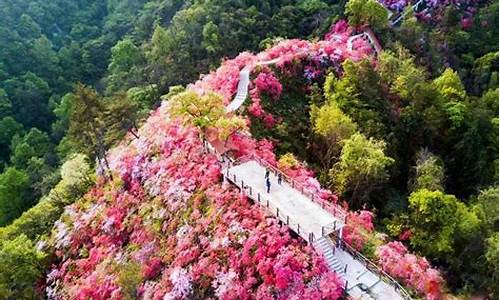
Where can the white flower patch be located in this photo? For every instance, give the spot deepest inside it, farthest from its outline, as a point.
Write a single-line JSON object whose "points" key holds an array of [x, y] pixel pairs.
{"points": [[61, 237], [181, 281], [223, 282], [183, 230]]}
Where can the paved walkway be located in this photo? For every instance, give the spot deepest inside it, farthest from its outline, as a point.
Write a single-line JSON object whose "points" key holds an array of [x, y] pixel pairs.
{"points": [[290, 202], [359, 277], [305, 217]]}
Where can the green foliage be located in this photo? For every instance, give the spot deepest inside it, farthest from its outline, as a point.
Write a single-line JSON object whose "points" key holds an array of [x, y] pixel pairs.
{"points": [[333, 124], [438, 221], [8, 128], [34, 144], [85, 120], [22, 267], [429, 173], [14, 194], [492, 255], [359, 95], [361, 168], [129, 277], [202, 111], [366, 12], [76, 178]]}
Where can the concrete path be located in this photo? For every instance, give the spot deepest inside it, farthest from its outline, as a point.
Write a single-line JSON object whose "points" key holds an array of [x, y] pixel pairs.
{"points": [[359, 278], [242, 91], [290, 202], [305, 217]]}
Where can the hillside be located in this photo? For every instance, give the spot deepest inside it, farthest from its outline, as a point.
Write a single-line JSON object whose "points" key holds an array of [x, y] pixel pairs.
{"points": [[357, 159]]}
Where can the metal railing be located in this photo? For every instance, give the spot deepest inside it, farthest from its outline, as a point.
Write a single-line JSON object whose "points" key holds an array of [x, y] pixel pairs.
{"points": [[270, 208], [293, 224], [334, 209], [370, 265]]}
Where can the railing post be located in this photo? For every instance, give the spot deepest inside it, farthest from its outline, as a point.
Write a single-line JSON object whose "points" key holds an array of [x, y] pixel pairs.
{"points": [[258, 197], [267, 204], [287, 220], [322, 230], [250, 190], [277, 212], [234, 178], [298, 229]]}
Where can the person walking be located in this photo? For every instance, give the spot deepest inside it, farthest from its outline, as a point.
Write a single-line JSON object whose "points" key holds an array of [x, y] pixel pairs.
{"points": [[279, 178], [267, 174], [268, 184]]}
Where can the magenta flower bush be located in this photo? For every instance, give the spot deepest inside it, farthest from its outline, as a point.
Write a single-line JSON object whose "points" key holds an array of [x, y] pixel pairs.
{"points": [[167, 227], [412, 270], [189, 235]]}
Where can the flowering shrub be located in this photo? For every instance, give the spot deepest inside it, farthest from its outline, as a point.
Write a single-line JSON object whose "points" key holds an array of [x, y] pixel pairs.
{"points": [[358, 228], [191, 235], [433, 10], [315, 58], [412, 270]]}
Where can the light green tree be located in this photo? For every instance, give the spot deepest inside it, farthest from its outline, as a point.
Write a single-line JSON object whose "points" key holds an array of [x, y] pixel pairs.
{"points": [[333, 126], [22, 266], [429, 172], [14, 194], [366, 12], [452, 95], [438, 221], [361, 168]]}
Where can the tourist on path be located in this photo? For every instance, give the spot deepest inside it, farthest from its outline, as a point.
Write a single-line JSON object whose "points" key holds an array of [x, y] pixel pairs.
{"points": [[267, 173], [279, 178], [268, 184]]}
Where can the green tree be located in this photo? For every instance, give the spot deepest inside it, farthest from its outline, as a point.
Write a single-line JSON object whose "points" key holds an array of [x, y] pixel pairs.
{"points": [[429, 172], [8, 129], [125, 67], [366, 12], [361, 169], [333, 126], [5, 104], [492, 259], [202, 111], [14, 194], [22, 268], [34, 144], [85, 120], [452, 95], [437, 222]]}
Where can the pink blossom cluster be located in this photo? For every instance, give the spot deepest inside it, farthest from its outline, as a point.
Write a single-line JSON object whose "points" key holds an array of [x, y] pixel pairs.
{"points": [[265, 83], [359, 226], [413, 270], [310, 57], [393, 257], [433, 10], [190, 236]]}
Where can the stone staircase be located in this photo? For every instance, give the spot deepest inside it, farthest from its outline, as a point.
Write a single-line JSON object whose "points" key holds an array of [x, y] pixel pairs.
{"points": [[325, 245]]}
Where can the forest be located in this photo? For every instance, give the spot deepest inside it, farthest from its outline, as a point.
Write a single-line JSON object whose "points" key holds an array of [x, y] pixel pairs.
{"points": [[103, 196]]}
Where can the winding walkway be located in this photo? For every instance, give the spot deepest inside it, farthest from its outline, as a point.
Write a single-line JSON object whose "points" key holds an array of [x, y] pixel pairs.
{"points": [[306, 214], [242, 91], [315, 224]]}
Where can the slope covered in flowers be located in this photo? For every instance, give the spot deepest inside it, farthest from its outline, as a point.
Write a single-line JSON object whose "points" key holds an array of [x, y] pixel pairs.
{"points": [[167, 227]]}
